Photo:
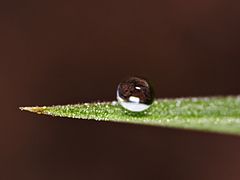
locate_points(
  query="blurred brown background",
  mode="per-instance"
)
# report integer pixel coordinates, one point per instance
(59, 52)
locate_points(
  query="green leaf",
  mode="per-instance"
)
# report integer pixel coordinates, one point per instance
(215, 114)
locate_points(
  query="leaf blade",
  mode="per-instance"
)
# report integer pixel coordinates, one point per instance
(215, 114)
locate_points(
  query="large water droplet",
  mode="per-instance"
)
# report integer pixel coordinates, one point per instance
(135, 94)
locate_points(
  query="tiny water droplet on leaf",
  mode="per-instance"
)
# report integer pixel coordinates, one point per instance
(135, 94)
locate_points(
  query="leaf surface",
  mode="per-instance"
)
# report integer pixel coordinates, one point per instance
(214, 114)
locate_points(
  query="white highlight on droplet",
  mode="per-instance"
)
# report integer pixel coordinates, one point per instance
(133, 104)
(134, 99)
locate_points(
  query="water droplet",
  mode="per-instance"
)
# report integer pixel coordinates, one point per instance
(135, 94)
(114, 103)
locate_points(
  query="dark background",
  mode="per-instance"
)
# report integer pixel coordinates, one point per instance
(60, 52)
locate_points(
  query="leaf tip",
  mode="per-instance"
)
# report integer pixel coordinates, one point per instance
(38, 110)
